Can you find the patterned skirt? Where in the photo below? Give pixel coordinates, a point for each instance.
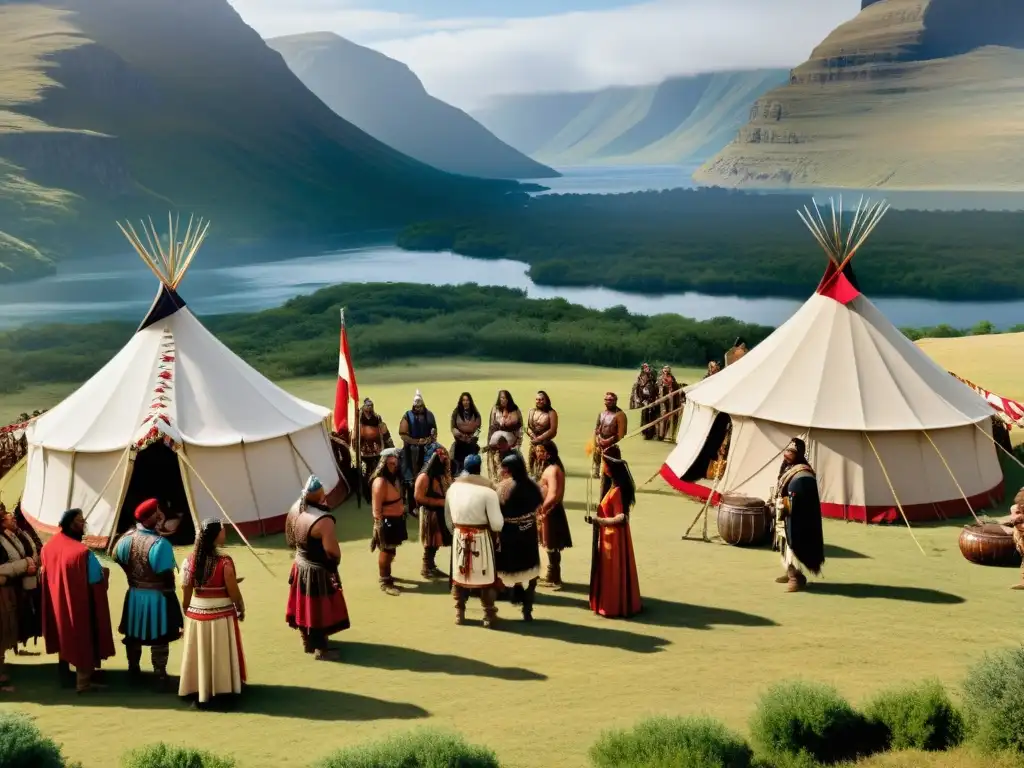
(518, 559)
(212, 659)
(433, 531)
(315, 599)
(389, 533)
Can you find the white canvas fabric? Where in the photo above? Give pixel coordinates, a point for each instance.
(843, 377)
(249, 441)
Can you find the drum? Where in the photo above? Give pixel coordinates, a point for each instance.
(744, 521)
(989, 544)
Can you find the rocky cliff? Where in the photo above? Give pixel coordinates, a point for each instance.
(910, 94)
(117, 108)
(384, 98)
(682, 120)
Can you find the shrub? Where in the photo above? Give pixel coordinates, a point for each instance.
(666, 742)
(167, 756)
(921, 717)
(23, 746)
(805, 723)
(994, 701)
(419, 749)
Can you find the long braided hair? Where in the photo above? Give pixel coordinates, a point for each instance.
(204, 555)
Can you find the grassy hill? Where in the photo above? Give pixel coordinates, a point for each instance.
(910, 94)
(115, 108)
(683, 120)
(384, 98)
(884, 615)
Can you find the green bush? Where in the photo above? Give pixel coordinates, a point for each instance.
(669, 742)
(167, 756)
(806, 723)
(994, 701)
(921, 717)
(23, 746)
(418, 749)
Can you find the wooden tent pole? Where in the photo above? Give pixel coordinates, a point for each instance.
(651, 424)
(899, 506)
(220, 506)
(948, 469)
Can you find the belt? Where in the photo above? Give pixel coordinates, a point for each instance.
(157, 586)
(462, 527)
(522, 518)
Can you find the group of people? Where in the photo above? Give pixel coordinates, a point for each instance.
(58, 591)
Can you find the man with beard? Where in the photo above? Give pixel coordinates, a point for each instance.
(473, 515)
(611, 427)
(798, 531)
(554, 525)
(152, 614)
(670, 409)
(641, 397)
(374, 438)
(76, 615)
(518, 557)
(389, 529)
(418, 429)
(431, 486)
(541, 426)
(316, 603)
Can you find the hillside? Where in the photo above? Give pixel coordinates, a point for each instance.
(683, 120)
(384, 98)
(910, 94)
(115, 108)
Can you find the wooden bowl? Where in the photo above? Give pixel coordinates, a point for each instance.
(989, 544)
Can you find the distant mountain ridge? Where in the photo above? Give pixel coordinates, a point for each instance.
(682, 120)
(910, 94)
(387, 100)
(125, 108)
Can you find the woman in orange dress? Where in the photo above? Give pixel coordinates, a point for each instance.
(614, 589)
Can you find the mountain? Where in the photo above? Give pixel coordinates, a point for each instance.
(683, 120)
(910, 94)
(385, 98)
(118, 108)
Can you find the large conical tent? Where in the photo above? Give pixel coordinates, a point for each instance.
(178, 416)
(886, 428)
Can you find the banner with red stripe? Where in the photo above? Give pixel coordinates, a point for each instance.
(347, 389)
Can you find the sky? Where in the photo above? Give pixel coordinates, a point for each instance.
(469, 51)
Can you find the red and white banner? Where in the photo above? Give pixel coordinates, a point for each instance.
(347, 389)
(1010, 411)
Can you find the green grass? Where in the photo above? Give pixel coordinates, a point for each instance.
(717, 631)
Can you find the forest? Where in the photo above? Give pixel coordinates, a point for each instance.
(389, 322)
(723, 242)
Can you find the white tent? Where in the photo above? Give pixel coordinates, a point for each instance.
(886, 428)
(175, 414)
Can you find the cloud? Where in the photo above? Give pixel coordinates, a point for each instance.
(467, 60)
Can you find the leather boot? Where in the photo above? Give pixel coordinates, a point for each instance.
(425, 569)
(797, 581)
(387, 586)
(487, 596)
(459, 594)
(555, 566)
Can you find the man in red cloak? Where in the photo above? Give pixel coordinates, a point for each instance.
(76, 615)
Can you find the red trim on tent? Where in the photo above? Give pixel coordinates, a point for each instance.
(920, 513)
(835, 285)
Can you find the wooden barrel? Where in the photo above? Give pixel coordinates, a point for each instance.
(743, 521)
(988, 544)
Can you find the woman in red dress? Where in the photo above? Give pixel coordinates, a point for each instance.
(614, 590)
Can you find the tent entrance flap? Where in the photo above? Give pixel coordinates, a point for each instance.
(712, 449)
(157, 475)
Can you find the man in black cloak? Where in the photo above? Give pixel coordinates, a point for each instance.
(798, 532)
(518, 556)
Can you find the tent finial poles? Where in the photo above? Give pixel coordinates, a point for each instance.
(169, 263)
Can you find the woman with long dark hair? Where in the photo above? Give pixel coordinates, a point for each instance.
(614, 589)
(466, 425)
(506, 418)
(212, 660)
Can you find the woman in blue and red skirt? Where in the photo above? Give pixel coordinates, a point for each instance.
(316, 603)
(212, 660)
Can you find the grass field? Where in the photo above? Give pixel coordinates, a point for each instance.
(716, 629)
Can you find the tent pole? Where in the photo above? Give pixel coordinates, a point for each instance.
(946, 465)
(899, 506)
(105, 486)
(252, 489)
(651, 424)
(71, 480)
(241, 535)
(125, 479)
(192, 507)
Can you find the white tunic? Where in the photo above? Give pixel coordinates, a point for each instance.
(473, 503)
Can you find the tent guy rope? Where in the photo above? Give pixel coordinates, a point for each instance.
(899, 506)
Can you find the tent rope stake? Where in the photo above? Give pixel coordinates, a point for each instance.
(899, 506)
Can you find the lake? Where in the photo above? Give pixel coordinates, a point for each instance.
(122, 288)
